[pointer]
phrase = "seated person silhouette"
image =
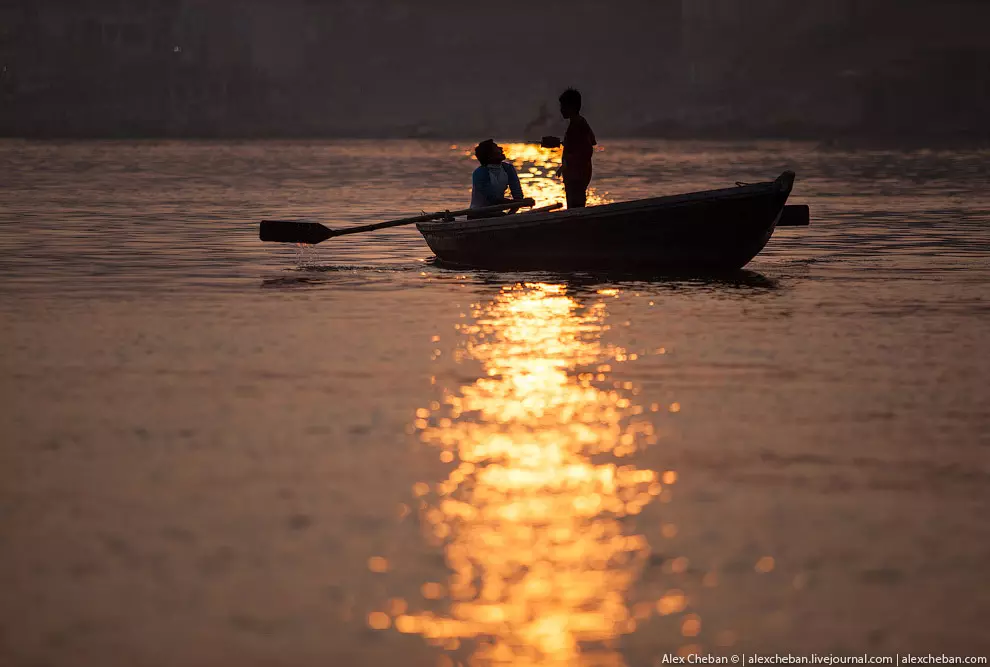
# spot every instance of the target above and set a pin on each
(489, 181)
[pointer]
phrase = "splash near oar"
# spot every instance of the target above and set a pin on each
(301, 231)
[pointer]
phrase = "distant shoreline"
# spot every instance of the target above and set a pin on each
(827, 140)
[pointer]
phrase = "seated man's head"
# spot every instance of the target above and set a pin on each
(570, 103)
(488, 152)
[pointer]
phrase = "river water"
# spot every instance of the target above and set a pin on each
(218, 451)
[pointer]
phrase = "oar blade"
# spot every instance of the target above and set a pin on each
(795, 215)
(293, 231)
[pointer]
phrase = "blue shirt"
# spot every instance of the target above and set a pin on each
(488, 184)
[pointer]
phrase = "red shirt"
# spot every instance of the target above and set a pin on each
(579, 146)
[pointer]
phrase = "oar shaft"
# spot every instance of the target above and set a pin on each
(301, 231)
(382, 225)
(546, 209)
(431, 216)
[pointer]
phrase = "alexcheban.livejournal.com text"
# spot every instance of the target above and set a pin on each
(820, 659)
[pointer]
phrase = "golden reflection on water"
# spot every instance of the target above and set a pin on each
(529, 521)
(537, 168)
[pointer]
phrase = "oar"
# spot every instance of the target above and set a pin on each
(795, 215)
(297, 231)
(546, 209)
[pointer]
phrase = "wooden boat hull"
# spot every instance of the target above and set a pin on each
(716, 230)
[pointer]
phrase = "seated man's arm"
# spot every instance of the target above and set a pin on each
(515, 187)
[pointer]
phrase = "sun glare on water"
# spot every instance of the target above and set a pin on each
(537, 168)
(530, 525)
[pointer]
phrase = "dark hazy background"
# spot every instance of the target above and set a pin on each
(877, 69)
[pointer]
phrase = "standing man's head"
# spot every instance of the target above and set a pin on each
(570, 103)
(488, 152)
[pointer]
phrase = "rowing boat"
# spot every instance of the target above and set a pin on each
(714, 230)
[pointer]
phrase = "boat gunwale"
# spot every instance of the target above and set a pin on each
(604, 210)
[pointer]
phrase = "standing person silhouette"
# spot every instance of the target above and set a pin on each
(579, 145)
